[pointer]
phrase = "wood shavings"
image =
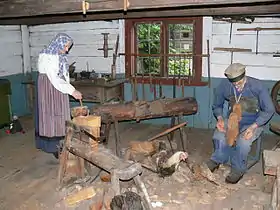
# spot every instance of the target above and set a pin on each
(81, 195)
(251, 182)
(202, 171)
(205, 199)
(157, 204)
(222, 194)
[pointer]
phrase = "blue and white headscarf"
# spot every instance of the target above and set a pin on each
(56, 45)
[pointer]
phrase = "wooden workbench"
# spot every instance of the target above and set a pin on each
(100, 91)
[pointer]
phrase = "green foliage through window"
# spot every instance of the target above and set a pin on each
(149, 44)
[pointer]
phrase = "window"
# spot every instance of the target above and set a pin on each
(165, 49)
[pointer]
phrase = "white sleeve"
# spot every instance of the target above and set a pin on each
(49, 65)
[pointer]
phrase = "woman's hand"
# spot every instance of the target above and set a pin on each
(77, 95)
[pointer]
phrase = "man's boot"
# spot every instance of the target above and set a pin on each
(212, 165)
(234, 177)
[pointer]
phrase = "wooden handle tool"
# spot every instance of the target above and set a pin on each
(167, 131)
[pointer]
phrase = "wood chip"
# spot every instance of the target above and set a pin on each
(81, 195)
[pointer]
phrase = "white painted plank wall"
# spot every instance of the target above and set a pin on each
(261, 66)
(10, 50)
(87, 39)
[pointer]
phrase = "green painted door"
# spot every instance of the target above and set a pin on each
(5, 109)
(5, 115)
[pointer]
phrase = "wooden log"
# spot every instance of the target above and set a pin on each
(147, 109)
(105, 159)
(93, 123)
(271, 159)
(83, 133)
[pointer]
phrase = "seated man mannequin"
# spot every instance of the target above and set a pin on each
(256, 109)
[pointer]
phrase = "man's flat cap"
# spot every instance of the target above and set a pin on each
(235, 72)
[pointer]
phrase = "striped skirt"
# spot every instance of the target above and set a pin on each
(53, 109)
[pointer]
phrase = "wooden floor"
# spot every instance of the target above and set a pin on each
(28, 176)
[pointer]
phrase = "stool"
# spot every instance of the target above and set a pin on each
(253, 159)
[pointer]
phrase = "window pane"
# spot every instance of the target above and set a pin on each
(180, 42)
(148, 45)
(147, 65)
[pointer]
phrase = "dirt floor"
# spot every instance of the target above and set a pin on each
(28, 177)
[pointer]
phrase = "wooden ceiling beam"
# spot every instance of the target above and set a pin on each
(214, 11)
(144, 4)
(26, 8)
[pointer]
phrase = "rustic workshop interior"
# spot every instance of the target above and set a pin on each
(141, 135)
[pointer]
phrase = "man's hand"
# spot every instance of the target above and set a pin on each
(221, 125)
(250, 131)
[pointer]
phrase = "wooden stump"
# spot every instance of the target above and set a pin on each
(79, 111)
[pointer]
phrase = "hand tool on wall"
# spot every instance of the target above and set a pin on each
(174, 87)
(115, 54)
(132, 88)
(151, 82)
(258, 29)
(189, 73)
(232, 50)
(209, 81)
(105, 45)
(209, 64)
(133, 84)
(136, 87)
(155, 88)
(183, 88)
(230, 31)
(143, 87)
(160, 89)
(179, 78)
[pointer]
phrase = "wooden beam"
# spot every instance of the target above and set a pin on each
(27, 8)
(144, 4)
(214, 11)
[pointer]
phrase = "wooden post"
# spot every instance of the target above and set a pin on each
(64, 155)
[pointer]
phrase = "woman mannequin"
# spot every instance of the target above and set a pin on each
(53, 90)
